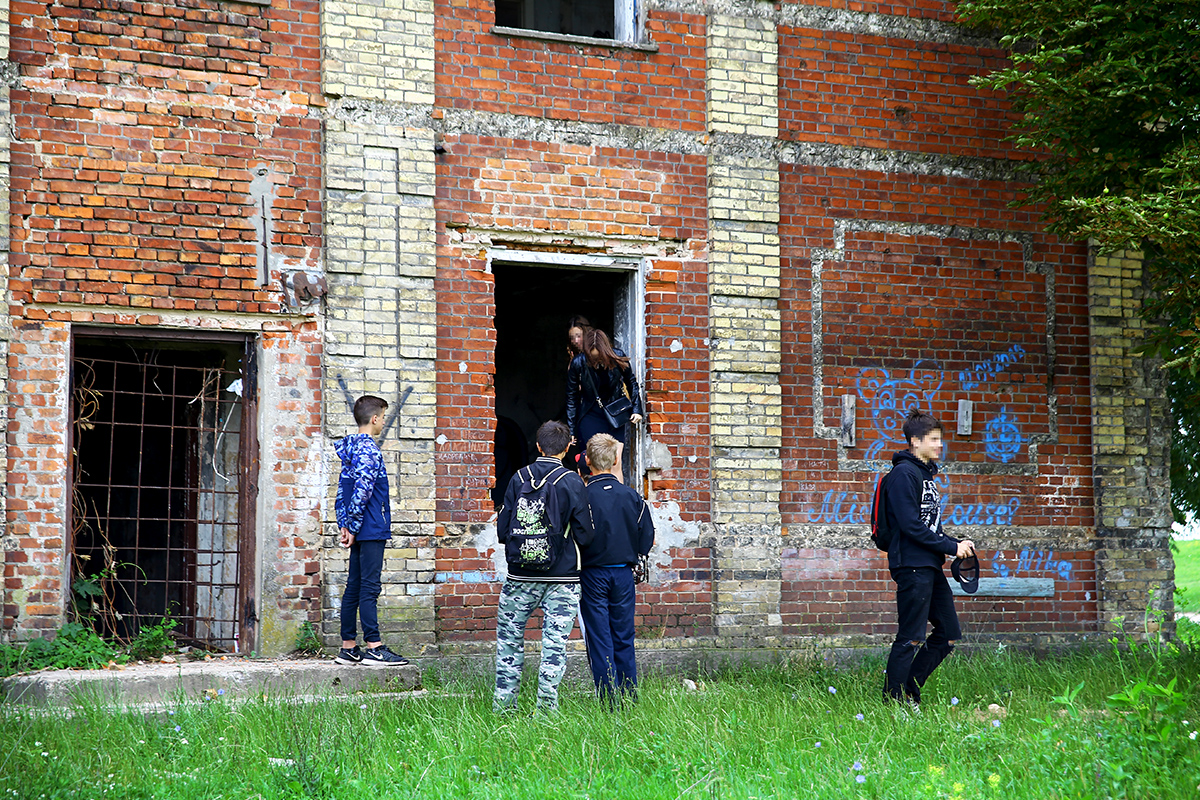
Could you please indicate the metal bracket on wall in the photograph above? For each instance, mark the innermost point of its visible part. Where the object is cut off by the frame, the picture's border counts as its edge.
(964, 417)
(848, 419)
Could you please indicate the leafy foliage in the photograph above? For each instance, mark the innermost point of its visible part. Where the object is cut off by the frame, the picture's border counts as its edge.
(153, 641)
(307, 640)
(1109, 97)
(74, 646)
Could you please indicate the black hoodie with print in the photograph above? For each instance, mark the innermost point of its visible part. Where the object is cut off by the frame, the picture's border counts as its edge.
(914, 514)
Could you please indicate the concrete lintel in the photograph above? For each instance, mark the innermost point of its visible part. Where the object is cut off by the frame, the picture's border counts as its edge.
(543, 258)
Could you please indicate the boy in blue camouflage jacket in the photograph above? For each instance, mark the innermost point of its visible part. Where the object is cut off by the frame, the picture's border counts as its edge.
(364, 518)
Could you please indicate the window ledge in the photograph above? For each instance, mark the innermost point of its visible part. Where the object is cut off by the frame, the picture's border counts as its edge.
(566, 38)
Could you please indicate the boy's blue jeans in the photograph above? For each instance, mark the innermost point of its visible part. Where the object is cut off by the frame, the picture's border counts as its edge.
(361, 597)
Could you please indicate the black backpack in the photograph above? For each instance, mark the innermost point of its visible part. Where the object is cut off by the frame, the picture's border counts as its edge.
(534, 544)
(881, 534)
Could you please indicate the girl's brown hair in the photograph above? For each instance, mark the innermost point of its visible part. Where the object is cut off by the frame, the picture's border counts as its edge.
(604, 357)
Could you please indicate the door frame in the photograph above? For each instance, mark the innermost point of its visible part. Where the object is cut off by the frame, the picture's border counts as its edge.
(629, 319)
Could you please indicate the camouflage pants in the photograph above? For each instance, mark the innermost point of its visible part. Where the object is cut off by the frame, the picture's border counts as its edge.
(560, 604)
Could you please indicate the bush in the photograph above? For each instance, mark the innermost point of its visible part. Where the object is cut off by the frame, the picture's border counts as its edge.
(307, 640)
(153, 641)
(74, 646)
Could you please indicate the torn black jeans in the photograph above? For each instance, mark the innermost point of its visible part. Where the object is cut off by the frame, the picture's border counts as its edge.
(922, 596)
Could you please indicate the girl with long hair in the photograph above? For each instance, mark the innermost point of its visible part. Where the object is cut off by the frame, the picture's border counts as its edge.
(602, 392)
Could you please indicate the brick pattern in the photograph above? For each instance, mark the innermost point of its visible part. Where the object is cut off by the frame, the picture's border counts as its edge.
(745, 410)
(143, 197)
(131, 181)
(529, 77)
(849, 594)
(138, 195)
(378, 50)
(743, 76)
(1130, 418)
(381, 339)
(840, 88)
(35, 565)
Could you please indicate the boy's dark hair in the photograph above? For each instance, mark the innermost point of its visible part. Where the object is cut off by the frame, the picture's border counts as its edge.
(553, 437)
(368, 406)
(918, 425)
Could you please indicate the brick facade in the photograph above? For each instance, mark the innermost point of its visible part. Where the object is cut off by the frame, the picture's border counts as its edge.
(811, 204)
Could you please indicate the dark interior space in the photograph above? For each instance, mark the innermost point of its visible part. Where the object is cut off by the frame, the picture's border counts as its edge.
(533, 307)
(575, 17)
(156, 484)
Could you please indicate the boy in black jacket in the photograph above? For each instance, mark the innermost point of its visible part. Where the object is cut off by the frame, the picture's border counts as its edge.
(624, 531)
(553, 586)
(916, 556)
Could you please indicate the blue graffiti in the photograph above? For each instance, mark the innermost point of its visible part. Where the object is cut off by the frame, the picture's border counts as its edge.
(841, 508)
(849, 508)
(1002, 437)
(889, 399)
(981, 513)
(1033, 561)
(986, 370)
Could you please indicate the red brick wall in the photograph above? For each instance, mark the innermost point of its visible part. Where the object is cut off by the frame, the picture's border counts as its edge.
(137, 126)
(891, 299)
(130, 176)
(531, 77)
(848, 592)
(536, 187)
(869, 91)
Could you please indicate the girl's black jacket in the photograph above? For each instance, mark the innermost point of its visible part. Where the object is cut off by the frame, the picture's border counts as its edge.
(581, 400)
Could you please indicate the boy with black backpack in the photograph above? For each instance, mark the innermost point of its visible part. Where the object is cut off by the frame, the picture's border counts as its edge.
(543, 522)
(906, 521)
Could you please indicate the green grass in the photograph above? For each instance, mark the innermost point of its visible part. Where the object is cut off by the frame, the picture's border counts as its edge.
(1187, 575)
(753, 733)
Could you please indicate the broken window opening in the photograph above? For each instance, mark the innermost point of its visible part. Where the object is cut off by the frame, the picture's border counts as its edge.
(533, 307)
(162, 494)
(597, 19)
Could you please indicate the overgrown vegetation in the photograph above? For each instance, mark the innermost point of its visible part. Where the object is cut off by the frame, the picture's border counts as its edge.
(77, 646)
(308, 641)
(1103, 724)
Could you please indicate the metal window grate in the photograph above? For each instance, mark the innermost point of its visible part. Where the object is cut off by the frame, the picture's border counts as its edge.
(159, 521)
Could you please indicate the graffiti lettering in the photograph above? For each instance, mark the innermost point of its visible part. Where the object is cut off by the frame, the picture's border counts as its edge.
(982, 513)
(839, 508)
(985, 371)
(1034, 561)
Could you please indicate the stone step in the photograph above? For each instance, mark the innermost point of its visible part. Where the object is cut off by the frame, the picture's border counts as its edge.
(235, 679)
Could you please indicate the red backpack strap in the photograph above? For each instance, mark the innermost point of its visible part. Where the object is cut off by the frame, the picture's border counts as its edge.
(875, 503)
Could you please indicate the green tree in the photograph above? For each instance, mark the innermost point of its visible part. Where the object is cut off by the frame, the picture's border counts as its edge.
(1109, 97)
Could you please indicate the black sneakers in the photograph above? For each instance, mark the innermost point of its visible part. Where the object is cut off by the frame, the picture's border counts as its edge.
(349, 656)
(382, 656)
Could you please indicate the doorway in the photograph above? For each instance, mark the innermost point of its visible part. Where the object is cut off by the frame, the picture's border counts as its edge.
(162, 485)
(533, 305)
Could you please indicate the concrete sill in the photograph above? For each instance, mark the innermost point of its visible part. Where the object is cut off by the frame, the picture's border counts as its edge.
(566, 38)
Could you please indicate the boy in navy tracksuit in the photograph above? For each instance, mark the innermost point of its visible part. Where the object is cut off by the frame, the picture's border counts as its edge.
(916, 556)
(624, 531)
(364, 518)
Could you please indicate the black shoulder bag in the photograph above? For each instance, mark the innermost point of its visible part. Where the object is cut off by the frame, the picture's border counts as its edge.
(619, 411)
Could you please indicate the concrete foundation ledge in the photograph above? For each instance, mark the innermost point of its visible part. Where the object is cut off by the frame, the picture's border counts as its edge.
(233, 680)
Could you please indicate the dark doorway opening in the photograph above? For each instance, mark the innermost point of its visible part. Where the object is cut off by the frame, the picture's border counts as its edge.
(163, 473)
(533, 306)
